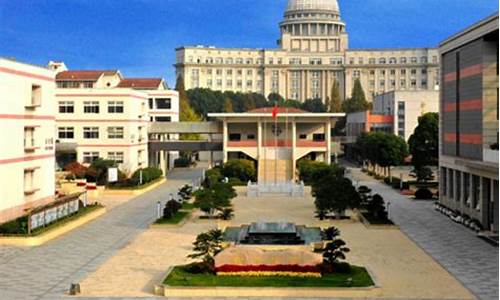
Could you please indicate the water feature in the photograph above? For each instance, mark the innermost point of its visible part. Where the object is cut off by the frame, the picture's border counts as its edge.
(272, 233)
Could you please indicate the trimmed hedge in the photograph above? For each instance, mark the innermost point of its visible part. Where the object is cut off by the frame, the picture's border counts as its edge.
(182, 162)
(242, 169)
(148, 174)
(423, 194)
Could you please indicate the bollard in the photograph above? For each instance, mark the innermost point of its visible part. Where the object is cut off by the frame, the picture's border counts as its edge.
(74, 289)
(158, 210)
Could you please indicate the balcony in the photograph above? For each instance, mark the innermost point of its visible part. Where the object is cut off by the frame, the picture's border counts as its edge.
(490, 155)
(242, 144)
(311, 144)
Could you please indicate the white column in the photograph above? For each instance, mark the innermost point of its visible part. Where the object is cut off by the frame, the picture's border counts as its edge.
(224, 140)
(259, 139)
(294, 146)
(328, 133)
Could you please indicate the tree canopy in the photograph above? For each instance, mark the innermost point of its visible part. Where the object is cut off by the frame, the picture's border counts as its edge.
(314, 105)
(383, 149)
(357, 102)
(424, 146)
(335, 101)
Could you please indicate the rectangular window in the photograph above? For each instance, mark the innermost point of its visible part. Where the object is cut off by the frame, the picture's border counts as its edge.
(163, 119)
(116, 156)
(91, 107)
(458, 185)
(36, 96)
(475, 191)
(29, 181)
(90, 132)
(444, 181)
(319, 137)
(115, 132)
(163, 103)
(88, 84)
(235, 137)
(251, 137)
(66, 132)
(451, 184)
(29, 138)
(66, 107)
(466, 184)
(115, 107)
(89, 157)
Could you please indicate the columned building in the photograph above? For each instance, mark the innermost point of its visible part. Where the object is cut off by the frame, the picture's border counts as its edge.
(313, 53)
(468, 155)
(277, 143)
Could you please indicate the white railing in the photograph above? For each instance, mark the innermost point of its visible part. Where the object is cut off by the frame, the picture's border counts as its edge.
(289, 188)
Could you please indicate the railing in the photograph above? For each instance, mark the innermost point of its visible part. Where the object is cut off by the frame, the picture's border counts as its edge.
(242, 144)
(311, 144)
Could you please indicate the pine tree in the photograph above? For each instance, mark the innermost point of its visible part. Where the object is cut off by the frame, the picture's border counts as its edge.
(228, 105)
(186, 113)
(357, 102)
(335, 102)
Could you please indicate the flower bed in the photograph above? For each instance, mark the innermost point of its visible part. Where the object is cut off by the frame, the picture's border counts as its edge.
(268, 270)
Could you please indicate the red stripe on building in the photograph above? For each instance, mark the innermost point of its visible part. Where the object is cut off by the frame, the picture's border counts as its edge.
(452, 76)
(104, 120)
(471, 71)
(26, 117)
(163, 113)
(474, 139)
(101, 95)
(25, 158)
(476, 104)
(112, 145)
(26, 74)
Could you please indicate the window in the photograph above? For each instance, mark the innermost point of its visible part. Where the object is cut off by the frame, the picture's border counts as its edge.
(66, 133)
(303, 136)
(423, 71)
(475, 191)
(458, 177)
(235, 137)
(229, 83)
(249, 83)
(89, 157)
(209, 71)
(163, 119)
(403, 83)
(413, 71)
(239, 72)
(413, 60)
(393, 72)
(356, 73)
(402, 60)
(90, 132)
(218, 72)
(371, 61)
(382, 72)
(295, 61)
(116, 156)
(115, 132)
(115, 107)
(88, 84)
(372, 72)
(29, 181)
(163, 103)
(251, 137)
(91, 107)
(229, 72)
(219, 82)
(319, 137)
(451, 184)
(423, 60)
(381, 60)
(360, 61)
(392, 60)
(29, 137)
(413, 83)
(36, 96)
(66, 107)
(444, 181)
(466, 185)
(403, 72)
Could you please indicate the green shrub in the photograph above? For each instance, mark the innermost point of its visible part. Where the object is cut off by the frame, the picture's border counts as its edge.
(173, 205)
(212, 176)
(311, 171)
(242, 169)
(236, 182)
(423, 194)
(16, 226)
(98, 170)
(148, 174)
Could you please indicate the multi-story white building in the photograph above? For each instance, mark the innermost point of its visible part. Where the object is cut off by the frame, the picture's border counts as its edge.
(102, 115)
(313, 54)
(27, 145)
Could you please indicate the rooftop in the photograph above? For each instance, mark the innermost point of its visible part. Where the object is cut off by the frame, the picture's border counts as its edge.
(141, 83)
(84, 75)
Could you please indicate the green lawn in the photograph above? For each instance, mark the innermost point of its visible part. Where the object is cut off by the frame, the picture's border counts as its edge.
(187, 206)
(178, 217)
(180, 277)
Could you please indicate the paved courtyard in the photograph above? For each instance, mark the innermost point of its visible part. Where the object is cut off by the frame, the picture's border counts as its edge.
(471, 260)
(402, 269)
(46, 272)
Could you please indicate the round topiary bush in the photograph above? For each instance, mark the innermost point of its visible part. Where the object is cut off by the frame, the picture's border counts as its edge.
(423, 194)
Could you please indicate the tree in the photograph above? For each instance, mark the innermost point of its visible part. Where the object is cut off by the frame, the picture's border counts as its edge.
(228, 105)
(424, 146)
(243, 169)
(382, 149)
(357, 102)
(376, 207)
(206, 246)
(335, 193)
(275, 99)
(214, 198)
(186, 113)
(335, 102)
(334, 249)
(314, 105)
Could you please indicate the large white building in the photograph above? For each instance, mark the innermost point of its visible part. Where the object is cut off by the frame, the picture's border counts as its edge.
(27, 143)
(313, 53)
(100, 114)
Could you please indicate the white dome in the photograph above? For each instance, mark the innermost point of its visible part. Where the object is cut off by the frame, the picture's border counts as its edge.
(330, 5)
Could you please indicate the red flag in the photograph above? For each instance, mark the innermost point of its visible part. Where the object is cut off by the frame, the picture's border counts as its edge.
(275, 111)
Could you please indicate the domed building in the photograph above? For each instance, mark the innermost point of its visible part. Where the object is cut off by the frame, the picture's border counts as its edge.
(312, 55)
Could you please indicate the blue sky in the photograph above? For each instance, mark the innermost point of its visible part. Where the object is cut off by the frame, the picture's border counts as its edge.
(138, 37)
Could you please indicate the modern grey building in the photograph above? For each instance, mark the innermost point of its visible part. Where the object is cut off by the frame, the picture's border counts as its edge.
(469, 122)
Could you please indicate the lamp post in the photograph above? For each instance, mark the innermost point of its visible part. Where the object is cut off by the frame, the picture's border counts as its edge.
(158, 209)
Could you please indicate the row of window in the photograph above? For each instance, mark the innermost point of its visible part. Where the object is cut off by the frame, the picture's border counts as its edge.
(392, 60)
(90, 107)
(402, 83)
(117, 156)
(90, 132)
(403, 72)
(75, 84)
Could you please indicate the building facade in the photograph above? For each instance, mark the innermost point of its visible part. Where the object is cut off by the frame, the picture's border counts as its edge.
(276, 144)
(396, 112)
(100, 114)
(469, 123)
(27, 146)
(313, 55)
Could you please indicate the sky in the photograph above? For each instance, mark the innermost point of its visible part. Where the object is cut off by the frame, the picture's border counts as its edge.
(139, 37)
